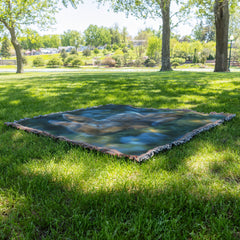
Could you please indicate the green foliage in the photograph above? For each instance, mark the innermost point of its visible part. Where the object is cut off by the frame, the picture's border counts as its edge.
(234, 25)
(5, 49)
(86, 52)
(124, 35)
(97, 36)
(24, 60)
(195, 57)
(17, 14)
(138, 62)
(119, 60)
(145, 35)
(125, 50)
(126, 59)
(96, 50)
(68, 60)
(118, 52)
(115, 35)
(73, 61)
(115, 47)
(63, 54)
(192, 50)
(205, 33)
(38, 62)
(31, 40)
(74, 51)
(150, 62)
(109, 47)
(109, 62)
(51, 41)
(105, 51)
(178, 60)
(97, 62)
(71, 38)
(139, 51)
(54, 62)
(154, 48)
(175, 64)
(77, 62)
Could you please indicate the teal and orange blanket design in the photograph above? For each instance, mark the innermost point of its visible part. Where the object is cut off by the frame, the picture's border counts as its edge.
(122, 130)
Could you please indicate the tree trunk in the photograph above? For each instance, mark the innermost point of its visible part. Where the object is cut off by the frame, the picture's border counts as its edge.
(17, 48)
(221, 12)
(165, 8)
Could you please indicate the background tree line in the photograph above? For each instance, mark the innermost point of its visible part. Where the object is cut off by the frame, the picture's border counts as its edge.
(17, 15)
(196, 48)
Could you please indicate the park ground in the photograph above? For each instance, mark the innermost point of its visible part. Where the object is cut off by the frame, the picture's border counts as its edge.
(52, 190)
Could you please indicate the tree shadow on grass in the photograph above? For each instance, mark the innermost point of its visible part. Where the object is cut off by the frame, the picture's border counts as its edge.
(44, 205)
(38, 95)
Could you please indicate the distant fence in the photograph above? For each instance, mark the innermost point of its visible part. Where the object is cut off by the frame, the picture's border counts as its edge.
(8, 62)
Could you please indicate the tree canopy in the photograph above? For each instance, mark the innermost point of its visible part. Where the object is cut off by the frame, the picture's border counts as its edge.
(97, 36)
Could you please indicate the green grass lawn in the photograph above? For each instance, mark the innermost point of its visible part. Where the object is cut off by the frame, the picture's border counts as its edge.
(51, 190)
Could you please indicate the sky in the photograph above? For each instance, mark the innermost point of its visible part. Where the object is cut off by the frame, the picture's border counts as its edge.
(88, 13)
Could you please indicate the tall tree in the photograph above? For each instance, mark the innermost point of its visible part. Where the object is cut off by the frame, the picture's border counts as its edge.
(16, 15)
(72, 38)
(124, 35)
(33, 39)
(115, 35)
(221, 10)
(97, 36)
(51, 41)
(144, 34)
(221, 13)
(5, 49)
(166, 33)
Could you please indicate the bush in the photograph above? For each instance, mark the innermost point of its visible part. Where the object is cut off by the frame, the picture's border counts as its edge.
(86, 52)
(150, 62)
(126, 59)
(74, 51)
(175, 64)
(63, 54)
(96, 50)
(138, 62)
(76, 62)
(119, 60)
(38, 62)
(73, 61)
(109, 48)
(115, 46)
(125, 50)
(109, 61)
(118, 52)
(54, 62)
(24, 60)
(105, 52)
(97, 62)
(203, 59)
(68, 60)
(178, 60)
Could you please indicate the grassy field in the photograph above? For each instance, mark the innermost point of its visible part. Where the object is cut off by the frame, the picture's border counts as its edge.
(51, 190)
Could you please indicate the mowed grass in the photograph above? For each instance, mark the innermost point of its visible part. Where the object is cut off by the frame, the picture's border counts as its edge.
(52, 190)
